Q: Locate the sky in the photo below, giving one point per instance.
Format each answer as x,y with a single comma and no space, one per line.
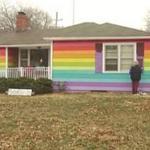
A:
130,13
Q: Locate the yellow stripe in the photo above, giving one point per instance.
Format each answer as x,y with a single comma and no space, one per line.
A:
2,63
74,60
146,55
78,55
73,52
146,60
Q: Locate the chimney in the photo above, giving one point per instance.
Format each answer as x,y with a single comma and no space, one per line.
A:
22,22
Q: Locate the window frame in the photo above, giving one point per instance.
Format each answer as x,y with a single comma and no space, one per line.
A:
119,56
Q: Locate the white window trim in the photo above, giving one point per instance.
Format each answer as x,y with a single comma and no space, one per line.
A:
118,45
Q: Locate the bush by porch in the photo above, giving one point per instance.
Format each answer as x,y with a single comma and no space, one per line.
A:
39,86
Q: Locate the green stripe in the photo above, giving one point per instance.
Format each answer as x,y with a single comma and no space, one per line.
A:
73,71
73,67
91,76
147,68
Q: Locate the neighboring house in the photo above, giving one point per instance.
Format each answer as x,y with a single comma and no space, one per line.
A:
86,56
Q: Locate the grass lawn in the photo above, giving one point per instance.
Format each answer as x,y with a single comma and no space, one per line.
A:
87,121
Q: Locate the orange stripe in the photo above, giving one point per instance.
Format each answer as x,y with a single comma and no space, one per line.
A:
146,53
2,59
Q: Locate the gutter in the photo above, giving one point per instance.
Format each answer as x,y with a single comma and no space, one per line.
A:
26,45
95,38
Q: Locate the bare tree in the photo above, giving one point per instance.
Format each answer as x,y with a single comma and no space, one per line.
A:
38,18
7,17
147,21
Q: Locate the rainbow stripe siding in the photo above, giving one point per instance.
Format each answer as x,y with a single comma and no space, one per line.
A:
74,56
147,57
74,64
2,58
12,57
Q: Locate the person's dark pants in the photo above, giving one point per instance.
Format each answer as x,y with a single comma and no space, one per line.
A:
135,85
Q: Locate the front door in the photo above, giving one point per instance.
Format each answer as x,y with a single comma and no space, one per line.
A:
39,58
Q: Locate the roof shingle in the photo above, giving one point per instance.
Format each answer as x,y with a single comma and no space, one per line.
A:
79,30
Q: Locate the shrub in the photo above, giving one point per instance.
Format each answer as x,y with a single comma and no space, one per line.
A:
39,86
42,86
3,85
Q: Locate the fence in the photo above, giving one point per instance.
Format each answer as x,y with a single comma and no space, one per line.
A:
28,72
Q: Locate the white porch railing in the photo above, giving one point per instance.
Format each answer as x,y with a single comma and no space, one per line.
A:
28,72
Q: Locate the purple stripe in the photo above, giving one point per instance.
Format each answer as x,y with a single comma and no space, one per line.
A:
145,85
140,53
98,62
88,86
98,58
85,88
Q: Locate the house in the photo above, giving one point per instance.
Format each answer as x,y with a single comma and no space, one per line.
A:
87,56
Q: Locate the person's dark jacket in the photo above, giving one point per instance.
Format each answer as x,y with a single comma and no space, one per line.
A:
135,73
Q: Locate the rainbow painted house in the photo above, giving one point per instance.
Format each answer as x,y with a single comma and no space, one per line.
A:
84,57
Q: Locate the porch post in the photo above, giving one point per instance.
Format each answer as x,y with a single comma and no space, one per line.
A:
6,62
51,60
49,72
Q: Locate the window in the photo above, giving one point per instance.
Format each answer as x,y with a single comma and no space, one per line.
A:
33,57
127,56
118,57
111,58
37,56
24,58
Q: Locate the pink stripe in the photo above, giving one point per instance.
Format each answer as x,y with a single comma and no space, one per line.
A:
85,88
98,84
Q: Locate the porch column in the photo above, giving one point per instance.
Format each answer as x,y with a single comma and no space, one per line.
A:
51,60
6,62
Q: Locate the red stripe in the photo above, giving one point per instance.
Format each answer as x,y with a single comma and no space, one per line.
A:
147,46
74,46
2,51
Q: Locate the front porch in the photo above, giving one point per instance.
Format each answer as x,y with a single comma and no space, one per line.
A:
27,72
30,62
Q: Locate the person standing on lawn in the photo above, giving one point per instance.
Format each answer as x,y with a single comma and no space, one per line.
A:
135,75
